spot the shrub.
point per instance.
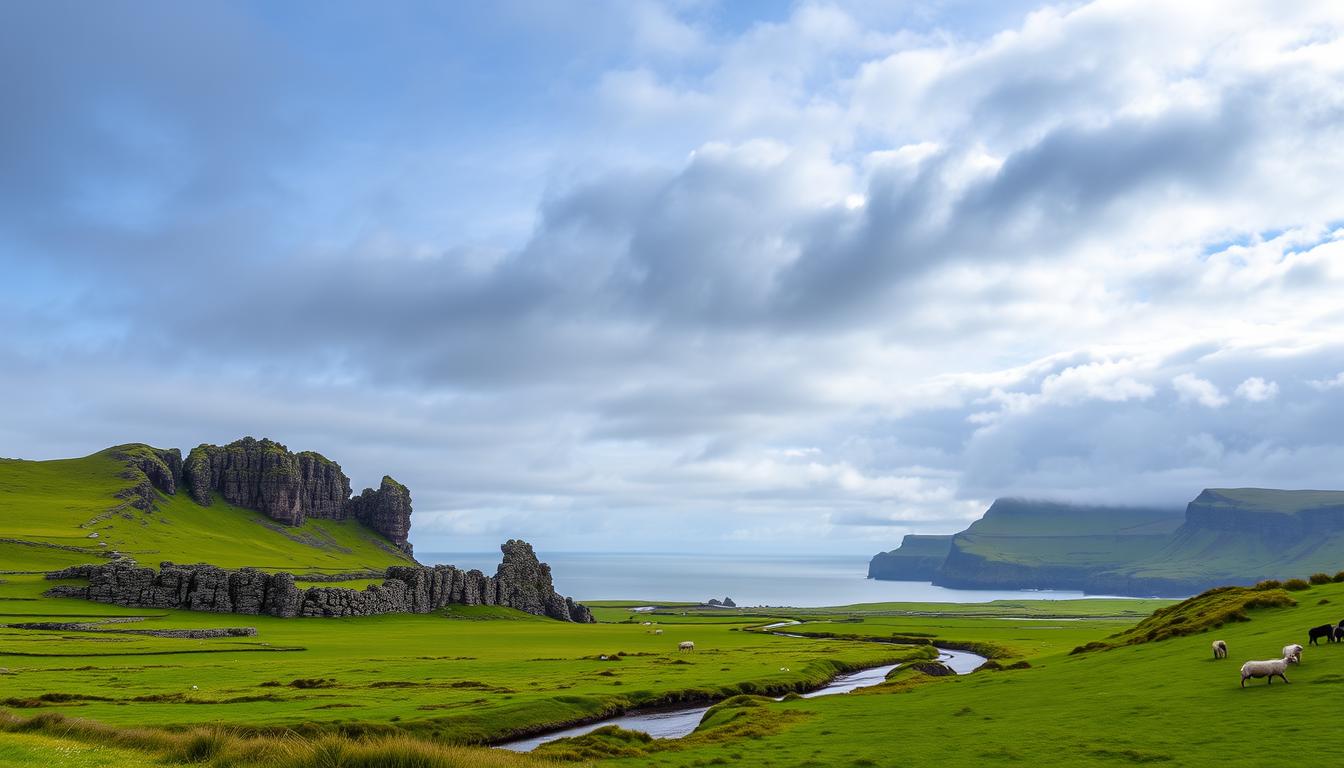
(1338, 577)
(1269, 584)
(1320, 578)
(1296, 585)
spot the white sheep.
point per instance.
(1220, 649)
(1293, 653)
(1269, 669)
(657, 631)
(686, 645)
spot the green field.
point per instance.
(1080, 682)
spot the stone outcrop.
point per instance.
(150, 470)
(293, 487)
(386, 510)
(521, 582)
(265, 476)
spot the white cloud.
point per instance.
(1257, 390)
(1191, 388)
(1325, 385)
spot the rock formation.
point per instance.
(149, 470)
(264, 475)
(293, 487)
(386, 510)
(521, 582)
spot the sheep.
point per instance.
(657, 631)
(194, 688)
(1339, 634)
(686, 645)
(1293, 653)
(1267, 669)
(1219, 649)
(1316, 633)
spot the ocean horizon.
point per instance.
(802, 581)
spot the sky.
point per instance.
(682, 276)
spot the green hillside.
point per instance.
(1241, 536)
(1227, 536)
(50, 512)
(1022, 544)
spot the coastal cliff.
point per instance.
(1226, 536)
(917, 559)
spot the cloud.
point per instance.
(806, 281)
(1324, 385)
(1191, 388)
(1257, 390)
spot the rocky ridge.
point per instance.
(521, 582)
(264, 475)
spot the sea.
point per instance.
(803, 581)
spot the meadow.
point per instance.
(1082, 682)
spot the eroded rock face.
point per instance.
(386, 510)
(293, 487)
(522, 582)
(150, 470)
(264, 475)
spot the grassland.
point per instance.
(425, 690)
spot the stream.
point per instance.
(676, 722)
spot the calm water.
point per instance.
(793, 580)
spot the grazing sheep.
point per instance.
(1293, 653)
(1339, 634)
(657, 631)
(1219, 649)
(686, 645)
(194, 688)
(1316, 633)
(1267, 669)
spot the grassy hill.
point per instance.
(1227, 536)
(1022, 544)
(1241, 536)
(68, 511)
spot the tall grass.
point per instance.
(223, 748)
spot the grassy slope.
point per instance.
(1160, 702)
(61, 502)
(1031, 533)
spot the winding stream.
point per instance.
(676, 722)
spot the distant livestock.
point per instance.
(1315, 633)
(686, 645)
(1293, 653)
(1219, 649)
(657, 631)
(1269, 669)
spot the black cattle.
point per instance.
(1325, 630)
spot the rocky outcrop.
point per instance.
(917, 559)
(521, 582)
(293, 487)
(386, 510)
(265, 476)
(150, 470)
